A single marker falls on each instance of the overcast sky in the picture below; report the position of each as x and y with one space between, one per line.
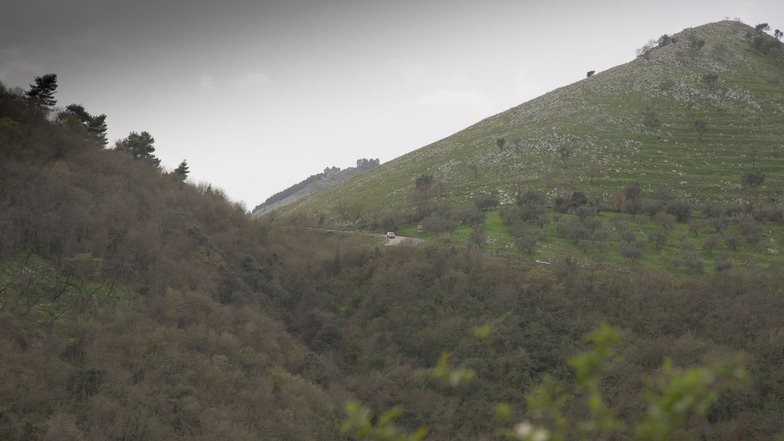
259 95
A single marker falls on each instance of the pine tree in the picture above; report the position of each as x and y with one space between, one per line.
41 94
95 126
182 171
97 129
140 146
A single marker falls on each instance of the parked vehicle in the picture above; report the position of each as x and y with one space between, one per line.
390 235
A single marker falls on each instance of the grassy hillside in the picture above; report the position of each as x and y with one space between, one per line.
592 136
687 120
312 184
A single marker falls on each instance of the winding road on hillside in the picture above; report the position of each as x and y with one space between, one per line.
402 241
398 241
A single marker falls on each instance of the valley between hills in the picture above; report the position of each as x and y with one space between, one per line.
601 262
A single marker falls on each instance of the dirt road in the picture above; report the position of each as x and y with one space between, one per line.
403 241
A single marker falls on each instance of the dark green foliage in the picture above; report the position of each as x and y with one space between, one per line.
651 207
565 152
578 199
695 44
762 27
330 336
578 233
680 209
722 264
664 40
140 146
710 243
751 231
312 368
390 220
712 209
41 94
84 381
764 44
701 127
632 198
424 183
752 179
440 222
530 197
658 238
586 212
632 250
182 171
693 262
470 216
710 79
485 202
527 243
650 119
477 236
732 240
97 128
93 126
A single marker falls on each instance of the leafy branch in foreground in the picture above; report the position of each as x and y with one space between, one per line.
359 423
675 399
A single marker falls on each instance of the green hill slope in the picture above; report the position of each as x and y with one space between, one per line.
312 184
694 114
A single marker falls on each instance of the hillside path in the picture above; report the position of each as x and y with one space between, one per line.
403 241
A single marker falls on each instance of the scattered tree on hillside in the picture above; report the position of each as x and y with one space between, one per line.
97 129
140 146
658 237
710 243
665 221
680 209
527 243
701 127
424 190
500 142
632 198
664 40
763 43
41 94
752 180
618 200
778 34
590 73
485 202
594 170
762 27
710 79
565 152
477 236
695 44
94 126
182 170
650 119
